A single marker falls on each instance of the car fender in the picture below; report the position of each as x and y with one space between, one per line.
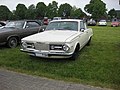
75 45
13 36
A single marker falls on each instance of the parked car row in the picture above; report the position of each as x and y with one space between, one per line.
62 38
114 23
92 22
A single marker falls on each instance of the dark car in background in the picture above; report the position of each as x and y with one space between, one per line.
91 22
14 31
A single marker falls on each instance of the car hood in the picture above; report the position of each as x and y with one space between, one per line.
51 36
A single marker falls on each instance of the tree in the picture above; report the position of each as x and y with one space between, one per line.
11 16
41 10
31 14
96 8
4 13
77 13
52 9
112 13
64 10
21 11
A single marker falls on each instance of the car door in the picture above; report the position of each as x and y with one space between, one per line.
32 27
84 34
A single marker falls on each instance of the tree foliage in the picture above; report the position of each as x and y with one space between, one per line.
21 11
77 13
52 9
5 13
97 8
41 10
112 13
31 12
64 10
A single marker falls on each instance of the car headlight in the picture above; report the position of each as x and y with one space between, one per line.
56 47
66 47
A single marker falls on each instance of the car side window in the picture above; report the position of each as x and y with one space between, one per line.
82 26
32 24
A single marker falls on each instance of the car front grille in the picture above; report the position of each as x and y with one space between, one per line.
41 46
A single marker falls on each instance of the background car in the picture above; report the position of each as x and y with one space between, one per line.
91 22
115 23
13 31
45 21
102 23
57 18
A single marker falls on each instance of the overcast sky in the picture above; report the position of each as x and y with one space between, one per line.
11 4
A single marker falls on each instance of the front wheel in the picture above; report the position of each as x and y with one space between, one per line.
12 42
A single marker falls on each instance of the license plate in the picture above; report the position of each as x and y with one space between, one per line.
41 54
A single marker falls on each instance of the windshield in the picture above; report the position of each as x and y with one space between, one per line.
63 25
15 24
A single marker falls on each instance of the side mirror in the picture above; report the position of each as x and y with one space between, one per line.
27 26
82 29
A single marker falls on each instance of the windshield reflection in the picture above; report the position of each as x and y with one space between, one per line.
15 24
63 25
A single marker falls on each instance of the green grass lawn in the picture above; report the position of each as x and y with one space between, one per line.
97 64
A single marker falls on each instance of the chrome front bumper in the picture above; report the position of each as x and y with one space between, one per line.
47 54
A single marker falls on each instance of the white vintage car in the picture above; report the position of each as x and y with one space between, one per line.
61 39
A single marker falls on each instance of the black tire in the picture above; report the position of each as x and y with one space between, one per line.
88 44
12 42
75 54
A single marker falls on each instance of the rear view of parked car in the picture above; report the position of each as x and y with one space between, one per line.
45 21
13 31
102 23
115 23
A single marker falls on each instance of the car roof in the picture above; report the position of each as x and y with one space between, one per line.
23 20
26 21
76 20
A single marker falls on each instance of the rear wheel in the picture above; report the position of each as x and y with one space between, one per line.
12 42
88 44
